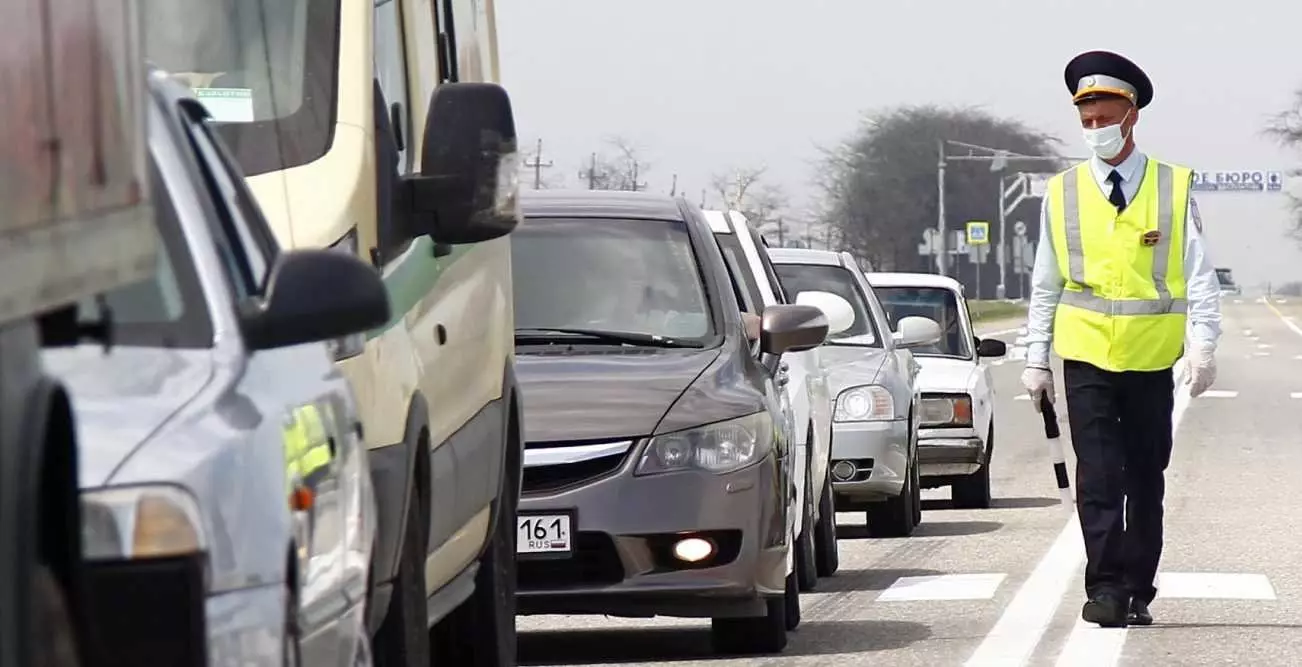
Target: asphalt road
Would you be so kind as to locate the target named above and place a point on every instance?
(1003, 586)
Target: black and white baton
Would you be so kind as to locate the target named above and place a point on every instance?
(1053, 433)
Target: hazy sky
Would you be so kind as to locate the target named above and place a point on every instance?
(701, 85)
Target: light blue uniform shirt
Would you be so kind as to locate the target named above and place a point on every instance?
(1203, 289)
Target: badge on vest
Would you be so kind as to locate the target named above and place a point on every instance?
(1150, 238)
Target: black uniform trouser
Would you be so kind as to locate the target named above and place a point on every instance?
(1121, 432)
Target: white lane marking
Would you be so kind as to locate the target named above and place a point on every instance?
(1264, 346)
(1247, 332)
(1261, 354)
(943, 587)
(1297, 356)
(1296, 394)
(1288, 323)
(1281, 300)
(1089, 644)
(1219, 393)
(1013, 639)
(1214, 585)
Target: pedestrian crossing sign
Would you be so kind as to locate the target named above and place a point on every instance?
(978, 232)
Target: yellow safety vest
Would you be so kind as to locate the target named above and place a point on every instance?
(307, 444)
(1123, 305)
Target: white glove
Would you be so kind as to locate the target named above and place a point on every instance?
(1038, 381)
(1202, 369)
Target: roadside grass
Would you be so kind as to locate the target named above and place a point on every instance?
(987, 311)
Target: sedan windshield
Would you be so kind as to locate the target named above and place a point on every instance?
(637, 277)
(797, 278)
(265, 70)
(934, 303)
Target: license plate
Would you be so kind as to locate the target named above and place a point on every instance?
(543, 534)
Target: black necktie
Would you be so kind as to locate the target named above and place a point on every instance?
(1117, 197)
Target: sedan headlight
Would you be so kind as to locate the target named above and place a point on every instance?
(718, 448)
(130, 523)
(947, 410)
(868, 403)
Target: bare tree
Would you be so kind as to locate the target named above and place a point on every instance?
(764, 204)
(1286, 128)
(619, 167)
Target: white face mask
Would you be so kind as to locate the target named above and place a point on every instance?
(1106, 142)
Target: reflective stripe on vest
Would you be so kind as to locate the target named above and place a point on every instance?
(1123, 303)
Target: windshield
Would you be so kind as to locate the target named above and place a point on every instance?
(168, 309)
(934, 303)
(265, 69)
(797, 278)
(630, 276)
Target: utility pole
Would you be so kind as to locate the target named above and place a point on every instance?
(673, 189)
(592, 173)
(636, 185)
(537, 166)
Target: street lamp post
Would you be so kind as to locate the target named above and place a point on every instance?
(998, 160)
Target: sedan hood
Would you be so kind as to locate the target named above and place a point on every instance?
(120, 399)
(941, 375)
(851, 366)
(594, 395)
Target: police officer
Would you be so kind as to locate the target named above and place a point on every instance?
(1121, 278)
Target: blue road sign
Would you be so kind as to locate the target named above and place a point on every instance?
(1257, 180)
(978, 232)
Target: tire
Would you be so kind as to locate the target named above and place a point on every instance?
(791, 601)
(481, 632)
(895, 516)
(973, 491)
(806, 569)
(756, 634)
(291, 655)
(917, 496)
(827, 554)
(55, 643)
(403, 639)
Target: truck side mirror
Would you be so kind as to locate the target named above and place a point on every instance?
(467, 190)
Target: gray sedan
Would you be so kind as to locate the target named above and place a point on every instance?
(874, 378)
(228, 514)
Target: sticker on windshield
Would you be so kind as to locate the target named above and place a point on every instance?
(227, 105)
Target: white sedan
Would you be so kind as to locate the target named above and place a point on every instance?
(956, 436)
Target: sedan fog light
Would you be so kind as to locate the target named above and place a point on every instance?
(693, 549)
(843, 471)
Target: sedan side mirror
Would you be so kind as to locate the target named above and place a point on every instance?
(792, 328)
(467, 190)
(316, 295)
(991, 347)
(915, 331)
(840, 314)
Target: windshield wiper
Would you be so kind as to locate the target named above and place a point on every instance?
(620, 337)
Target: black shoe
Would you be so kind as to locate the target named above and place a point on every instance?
(1107, 611)
(1139, 613)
